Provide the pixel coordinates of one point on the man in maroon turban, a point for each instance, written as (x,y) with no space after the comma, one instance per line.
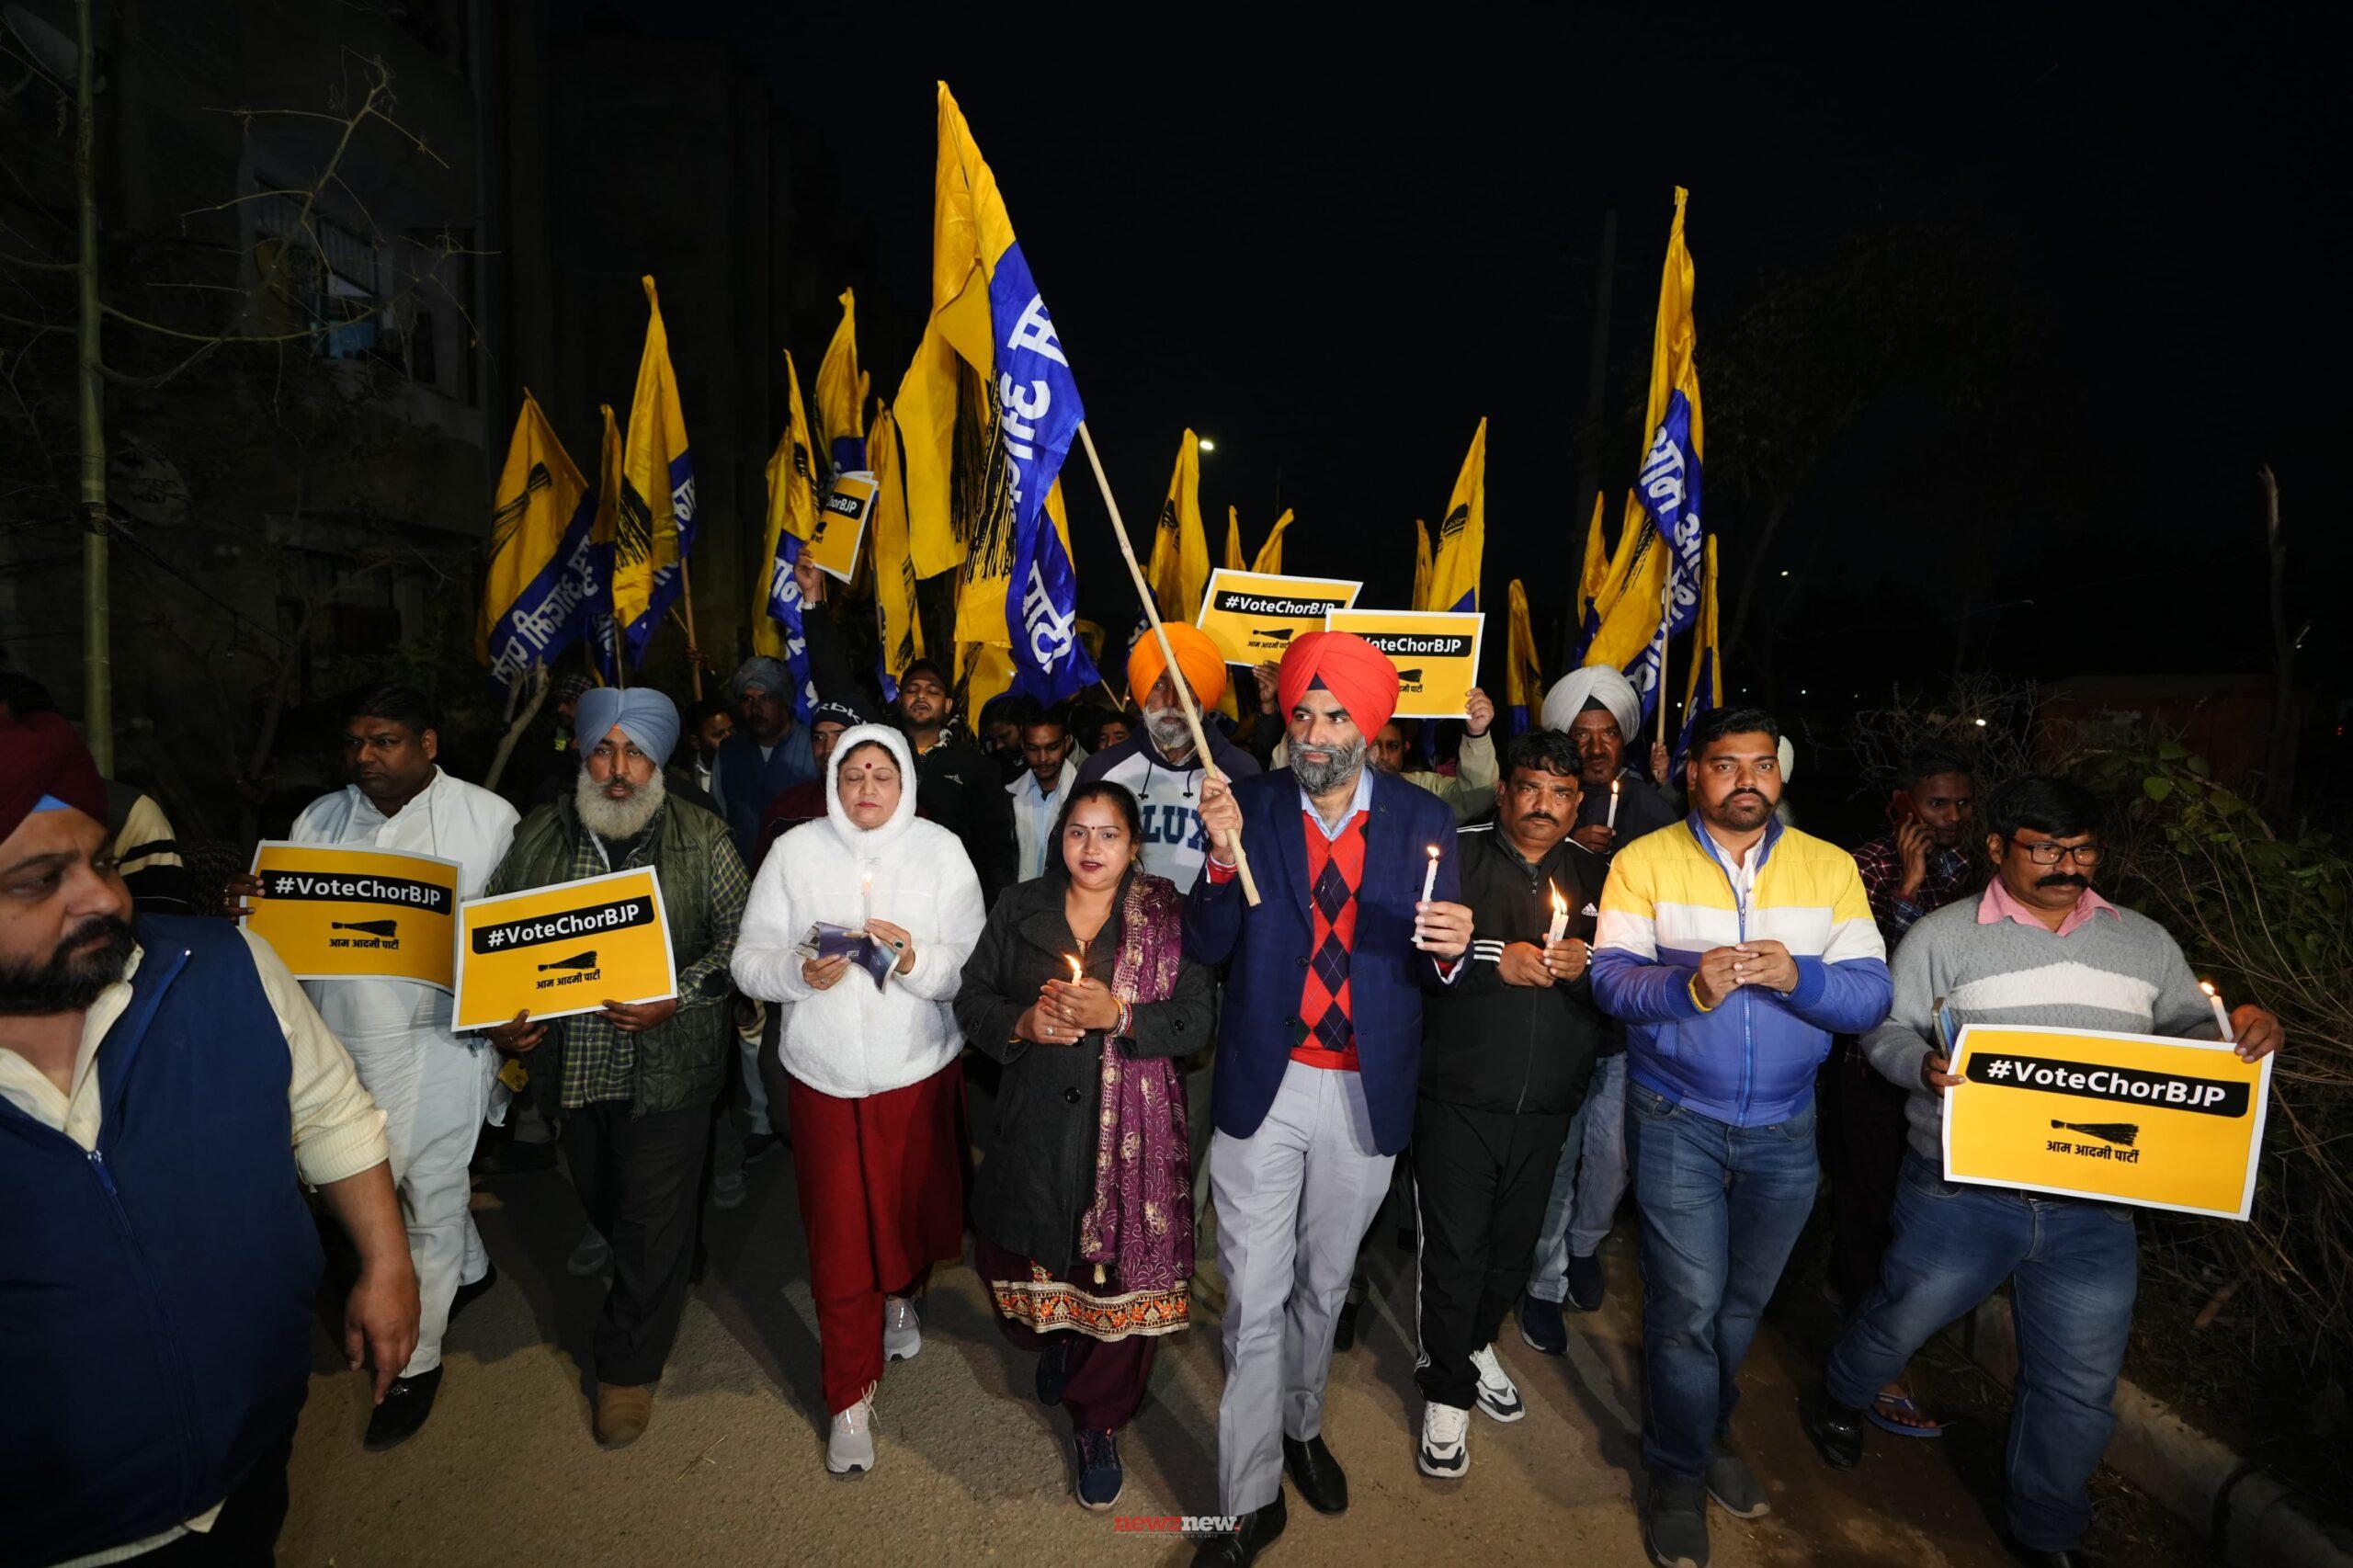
(1319,1051)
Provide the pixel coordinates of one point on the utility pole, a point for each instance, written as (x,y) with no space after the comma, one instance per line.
(98,669)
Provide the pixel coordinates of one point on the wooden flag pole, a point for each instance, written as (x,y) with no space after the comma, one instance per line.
(1152,613)
(687,597)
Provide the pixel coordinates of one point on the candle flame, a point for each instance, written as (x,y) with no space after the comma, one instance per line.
(1433,851)
(2207,987)
(1077,970)
(1560,906)
(1613,786)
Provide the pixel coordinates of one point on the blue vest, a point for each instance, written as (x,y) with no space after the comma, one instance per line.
(155,1295)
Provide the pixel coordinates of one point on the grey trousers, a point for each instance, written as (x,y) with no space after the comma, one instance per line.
(1293,1199)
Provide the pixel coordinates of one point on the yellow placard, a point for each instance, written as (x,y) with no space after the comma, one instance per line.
(570,947)
(1436,653)
(1252,616)
(841,524)
(2125,1119)
(334,911)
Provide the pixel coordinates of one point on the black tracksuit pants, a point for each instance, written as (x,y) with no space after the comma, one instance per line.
(1481,1180)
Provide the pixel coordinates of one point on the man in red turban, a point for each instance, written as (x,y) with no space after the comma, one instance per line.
(1319,1053)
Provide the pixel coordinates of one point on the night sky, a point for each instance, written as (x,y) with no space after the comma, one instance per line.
(1334,254)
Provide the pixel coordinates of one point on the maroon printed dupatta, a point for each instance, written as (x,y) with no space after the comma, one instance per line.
(1140,1222)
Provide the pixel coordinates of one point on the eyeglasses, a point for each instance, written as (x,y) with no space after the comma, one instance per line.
(2050,854)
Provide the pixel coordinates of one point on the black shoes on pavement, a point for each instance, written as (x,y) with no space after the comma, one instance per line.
(1242,1548)
(1585,1282)
(1836,1431)
(1322,1484)
(406,1405)
(469,1294)
(1542,1326)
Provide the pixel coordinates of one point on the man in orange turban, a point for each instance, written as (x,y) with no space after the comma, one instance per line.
(1198,660)
(1158,762)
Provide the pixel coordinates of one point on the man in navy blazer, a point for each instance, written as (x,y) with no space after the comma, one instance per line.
(1319,1053)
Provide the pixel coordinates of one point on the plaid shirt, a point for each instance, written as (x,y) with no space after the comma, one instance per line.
(599,1061)
(1882,864)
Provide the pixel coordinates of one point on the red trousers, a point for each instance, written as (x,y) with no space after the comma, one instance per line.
(882,1199)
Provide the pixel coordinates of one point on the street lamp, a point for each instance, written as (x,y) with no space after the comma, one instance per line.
(1206,445)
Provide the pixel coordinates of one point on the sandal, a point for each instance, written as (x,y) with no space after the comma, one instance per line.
(1901,1414)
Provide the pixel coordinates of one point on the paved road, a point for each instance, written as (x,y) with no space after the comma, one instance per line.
(970,1468)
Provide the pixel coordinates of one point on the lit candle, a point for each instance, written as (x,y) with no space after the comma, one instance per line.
(1612,822)
(1560,918)
(1430,878)
(865,901)
(1077,970)
(2222,1019)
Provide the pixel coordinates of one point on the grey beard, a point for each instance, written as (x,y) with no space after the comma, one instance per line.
(618,819)
(1317,779)
(1170,735)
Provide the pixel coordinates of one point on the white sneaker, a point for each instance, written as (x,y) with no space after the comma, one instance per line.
(902,1334)
(594,1254)
(1445,1441)
(850,1449)
(1498,1395)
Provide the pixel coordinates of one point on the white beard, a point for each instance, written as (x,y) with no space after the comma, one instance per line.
(608,818)
(1170,735)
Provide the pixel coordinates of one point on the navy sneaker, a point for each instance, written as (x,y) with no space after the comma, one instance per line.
(1541,1324)
(1101,1478)
(1585,1284)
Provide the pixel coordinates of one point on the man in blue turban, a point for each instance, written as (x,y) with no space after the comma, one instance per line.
(637,1081)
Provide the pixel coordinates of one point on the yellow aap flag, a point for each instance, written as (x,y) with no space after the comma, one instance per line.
(566,949)
(332,913)
(841,524)
(1254,616)
(1436,653)
(2125,1119)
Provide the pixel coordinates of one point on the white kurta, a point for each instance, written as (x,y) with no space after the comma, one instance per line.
(432,1085)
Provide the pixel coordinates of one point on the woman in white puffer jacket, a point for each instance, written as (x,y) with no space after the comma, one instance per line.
(875,1099)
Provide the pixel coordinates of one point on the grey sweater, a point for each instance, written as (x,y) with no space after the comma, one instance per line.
(2117,971)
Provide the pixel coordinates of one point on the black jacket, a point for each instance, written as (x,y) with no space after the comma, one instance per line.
(1490,1046)
(958,788)
(1040,1174)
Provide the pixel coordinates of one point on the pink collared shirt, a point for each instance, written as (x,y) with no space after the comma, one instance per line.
(1998,905)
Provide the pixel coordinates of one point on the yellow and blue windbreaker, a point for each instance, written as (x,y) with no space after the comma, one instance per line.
(1751,1061)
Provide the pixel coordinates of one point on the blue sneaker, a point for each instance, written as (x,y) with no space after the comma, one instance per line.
(1541,1324)
(1101,1478)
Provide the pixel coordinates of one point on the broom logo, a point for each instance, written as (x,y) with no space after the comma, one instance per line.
(2121,1133)
(372,927)
(577,960)
(1410,677)
(1274,633)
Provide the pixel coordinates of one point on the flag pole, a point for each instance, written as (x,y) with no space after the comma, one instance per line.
(1168,655)
(694,643)
(1666,639)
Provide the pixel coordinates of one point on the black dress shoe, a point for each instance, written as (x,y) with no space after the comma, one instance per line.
(406,1405)
(1321,1481)
(2069,1557)
(469,1294)
(1836,1431)
(1244,1545)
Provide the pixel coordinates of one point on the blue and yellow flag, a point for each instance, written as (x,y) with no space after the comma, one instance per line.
(1523,670)
(841,395)
(1706,688)
(545,573)
(990,356)
(656,526)
(1667,489)
(792,518)
(1593,581)
(1461,535)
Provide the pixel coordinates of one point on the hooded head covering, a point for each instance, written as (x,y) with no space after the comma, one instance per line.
(769,675)
(840,713)
(1199,660)
(866,842)
(644,715)
(1348,667)
(1594,683)
(44,766)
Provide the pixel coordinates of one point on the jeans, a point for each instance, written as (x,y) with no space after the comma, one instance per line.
(1721,1206)
(1586,1185)
(2074,1268)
